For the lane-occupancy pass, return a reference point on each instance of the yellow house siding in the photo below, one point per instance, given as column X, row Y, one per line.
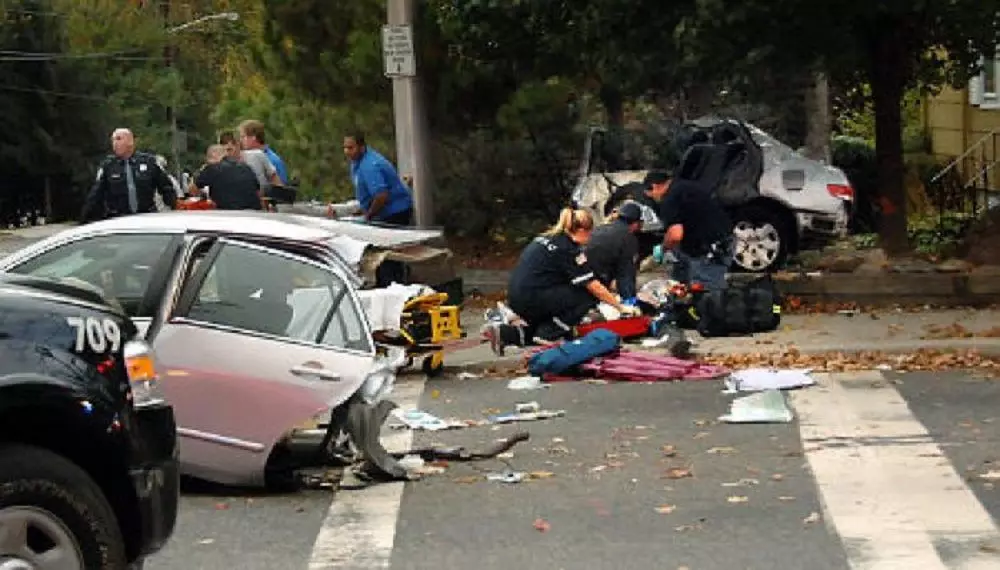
column 953, row 126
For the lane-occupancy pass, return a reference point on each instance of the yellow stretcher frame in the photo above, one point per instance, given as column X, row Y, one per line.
column 445, row 324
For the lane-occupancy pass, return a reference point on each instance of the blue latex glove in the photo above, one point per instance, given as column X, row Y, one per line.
column 658, row 254
column 630, row 302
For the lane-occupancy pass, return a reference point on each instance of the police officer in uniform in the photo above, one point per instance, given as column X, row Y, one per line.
column 553, row 286
column 127, row 182
column 700, row 233
column 613, row 250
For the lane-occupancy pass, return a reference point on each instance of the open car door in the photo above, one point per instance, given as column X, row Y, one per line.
column 254, row 341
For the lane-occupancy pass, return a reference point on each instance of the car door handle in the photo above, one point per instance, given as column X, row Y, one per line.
column 322, row 373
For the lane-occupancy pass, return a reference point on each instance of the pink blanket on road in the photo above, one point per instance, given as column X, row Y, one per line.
column 628, row 366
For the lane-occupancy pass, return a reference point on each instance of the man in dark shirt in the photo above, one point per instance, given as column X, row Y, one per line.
column 232, row 185
column 705, row 251
column 613, row 250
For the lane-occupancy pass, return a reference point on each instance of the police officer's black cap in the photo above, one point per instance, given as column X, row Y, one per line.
column 656, row 177
column 629, row 212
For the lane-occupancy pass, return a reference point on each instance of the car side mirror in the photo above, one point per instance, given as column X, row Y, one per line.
column 793, row 179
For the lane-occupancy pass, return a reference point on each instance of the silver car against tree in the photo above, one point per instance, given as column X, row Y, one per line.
column 255, row 318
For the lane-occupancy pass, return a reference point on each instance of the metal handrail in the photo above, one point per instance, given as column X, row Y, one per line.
column 964, row 155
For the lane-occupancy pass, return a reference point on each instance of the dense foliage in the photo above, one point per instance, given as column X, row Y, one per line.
column 511, row 85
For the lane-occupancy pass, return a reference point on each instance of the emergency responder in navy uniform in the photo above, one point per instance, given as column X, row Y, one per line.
column 553, row 287
column 699, row 231
column 127, row 182
column 613, row 250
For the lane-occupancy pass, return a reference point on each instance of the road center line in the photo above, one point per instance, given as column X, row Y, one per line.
column 889, row 491
column 360, row 527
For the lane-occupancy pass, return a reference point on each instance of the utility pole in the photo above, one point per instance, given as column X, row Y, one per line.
column 168, row 58
column 412, row 141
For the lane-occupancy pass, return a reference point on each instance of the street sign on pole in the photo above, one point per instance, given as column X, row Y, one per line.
column 397, row 51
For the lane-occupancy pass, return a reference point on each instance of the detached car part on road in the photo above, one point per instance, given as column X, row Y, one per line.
column 267, row 354
column 89, row 473
column 798, row 203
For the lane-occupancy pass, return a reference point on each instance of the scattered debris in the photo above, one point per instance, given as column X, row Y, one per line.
column 526, row 383
column 527, row 407
column 990, row 476
column 468, row 376
column 509, row 477
column 206, row 541
column 535, row 475
column 786, row 498
column 721, row 450
column 742, row 483
column 541, row 525
column 665, row 509
column 737, row 499
column 759, row 379
column 669, row 451
column 812, row 518
column 761, row 407
column 526, row 417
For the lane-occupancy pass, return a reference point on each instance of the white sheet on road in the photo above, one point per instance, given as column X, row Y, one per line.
column 759, row 379
column 764, row 407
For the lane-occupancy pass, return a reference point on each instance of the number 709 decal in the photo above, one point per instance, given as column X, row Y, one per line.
column 98, row 335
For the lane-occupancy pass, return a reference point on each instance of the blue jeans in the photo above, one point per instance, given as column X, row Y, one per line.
column 709, row 269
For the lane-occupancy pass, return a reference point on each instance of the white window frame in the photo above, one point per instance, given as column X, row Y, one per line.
column 978, row 97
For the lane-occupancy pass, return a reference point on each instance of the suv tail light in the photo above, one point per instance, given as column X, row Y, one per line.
column 140, row 363
column 842, row 191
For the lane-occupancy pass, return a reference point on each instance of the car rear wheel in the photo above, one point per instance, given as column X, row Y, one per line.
column 761, row 240
column 53, row 516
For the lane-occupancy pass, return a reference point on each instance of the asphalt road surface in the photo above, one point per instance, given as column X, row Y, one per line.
column 880, row 470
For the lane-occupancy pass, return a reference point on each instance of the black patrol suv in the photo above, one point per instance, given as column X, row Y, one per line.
column 89, row 474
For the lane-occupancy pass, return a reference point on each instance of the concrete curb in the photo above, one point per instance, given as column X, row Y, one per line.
column 986, row 347
column 940, row 289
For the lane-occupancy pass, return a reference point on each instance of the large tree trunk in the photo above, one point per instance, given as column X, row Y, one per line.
column 888, row 81
column 817, row 104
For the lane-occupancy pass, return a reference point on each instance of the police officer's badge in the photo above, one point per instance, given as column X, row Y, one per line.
column 581, row 258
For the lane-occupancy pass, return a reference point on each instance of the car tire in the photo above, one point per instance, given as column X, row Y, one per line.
column 760, row 240
column 57, row 499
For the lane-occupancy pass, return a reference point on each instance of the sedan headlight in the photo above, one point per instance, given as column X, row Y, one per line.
column 140, row 362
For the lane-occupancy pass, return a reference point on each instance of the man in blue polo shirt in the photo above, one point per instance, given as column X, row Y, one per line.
column 377, row 186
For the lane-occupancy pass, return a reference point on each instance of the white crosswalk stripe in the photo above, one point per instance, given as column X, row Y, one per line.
column 892, row 496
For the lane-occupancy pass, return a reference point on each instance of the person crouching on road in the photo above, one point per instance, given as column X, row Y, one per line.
column 553, row 286
column 613, row 250
column 700, row 233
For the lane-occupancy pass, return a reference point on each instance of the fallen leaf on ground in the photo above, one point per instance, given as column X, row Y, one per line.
column 721, row 450
column 665, row 509
column 777, row 477
column 221, row 506
column 206, row 541
column 786, row 498
column 701, row 434
column 541, row 475
column 812, row 518
column 468, row 480
column 541, row 525
column 669, row 450
column 678, row 473
column 919, row 360
column 435, row 394
column 599, row 468
column 737, row 499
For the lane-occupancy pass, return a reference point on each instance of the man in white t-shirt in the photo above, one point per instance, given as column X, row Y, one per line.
column 256, row 158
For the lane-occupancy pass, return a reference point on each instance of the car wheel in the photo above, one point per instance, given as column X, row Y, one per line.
column 760, row 241
column 53, row 515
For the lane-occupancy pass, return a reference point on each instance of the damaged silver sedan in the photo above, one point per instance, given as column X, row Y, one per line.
column 255, row 318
